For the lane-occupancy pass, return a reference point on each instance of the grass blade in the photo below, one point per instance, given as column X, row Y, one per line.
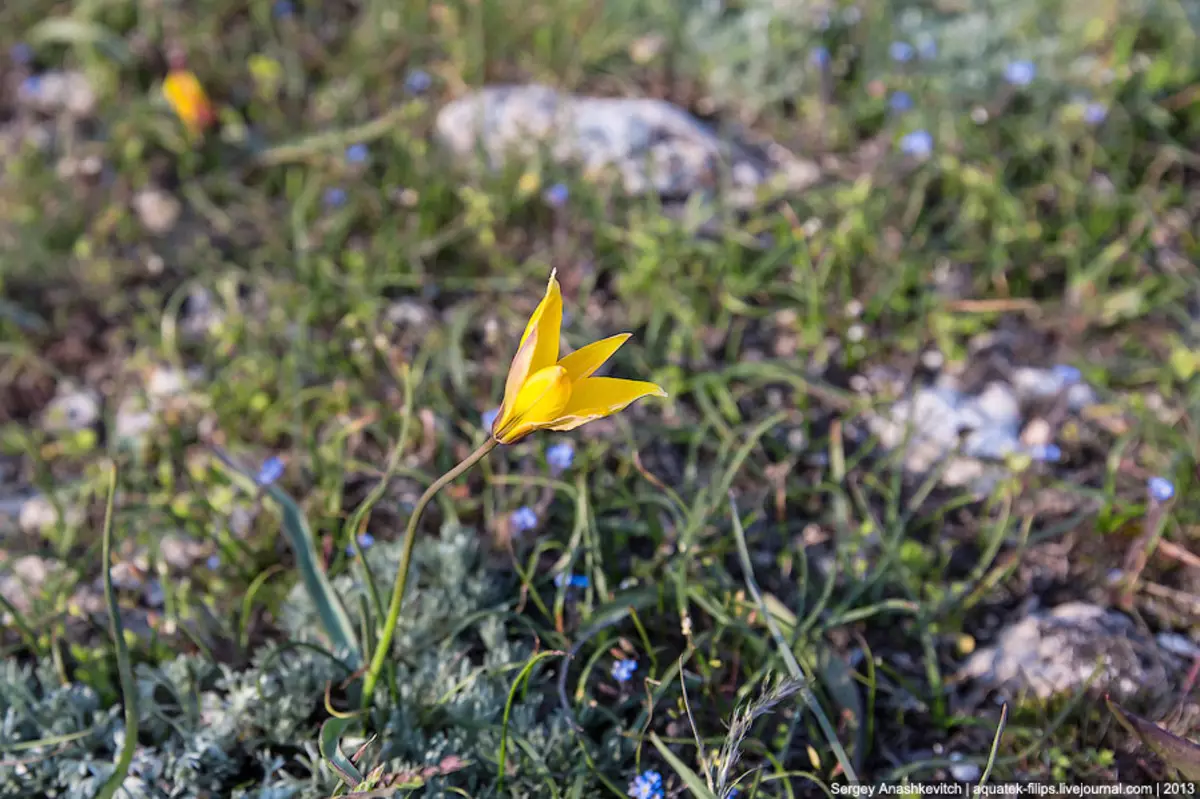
column 124, row 668
column 786, row 651
column 690, row 778
column 333, row 616
column 1178, row 753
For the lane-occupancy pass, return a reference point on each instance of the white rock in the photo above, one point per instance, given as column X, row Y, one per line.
column 1178, row 644
column 158, row 210
column 56, row 91
column 991, row 443
column 1057, row 652
column 133, row 423
column 72, row 410
column 126, row 577
column 651, row 145
column 166, row 382
column 180, row 551
column 38, row 515
column 964, row 772
column 998, row 407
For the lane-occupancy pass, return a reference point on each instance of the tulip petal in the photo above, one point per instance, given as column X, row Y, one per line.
column 582, row 362
column 596, row 397
column 518, row 373
column 540, row 401
column 547, row 322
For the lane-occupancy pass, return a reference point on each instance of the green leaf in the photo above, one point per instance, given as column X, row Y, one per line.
column 1178, row 753
column 331, row 733
column 79, row 32
column 129, row 692
column 690, row 778
column 320, row 590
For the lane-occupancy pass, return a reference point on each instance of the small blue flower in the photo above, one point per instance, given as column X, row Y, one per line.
column 557, row 195
column 622, row 670
column 560, row 456
column 365, row 542
column 1095, row 113
column 357, row 153
column 1160, row 488
column 1046, row 453
column 418, row 82
column 213, row 562
column 272, row 470
column 820, row 57
column 900, row 101
column 282, row 9
column 572, row 580
column 21, row 53
column 523, row 519
column 1020, row 73
column 335, row 197
column 489, row 418
column 927, row 48
column 1066, row 373
column 918, row 143
column 31, row 86
column 901, row 51
column 647, row 785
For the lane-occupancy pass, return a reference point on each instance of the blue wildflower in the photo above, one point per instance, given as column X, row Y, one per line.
column 418, row 82
column 556, row 196
column 900, row 101
column 282, row 9
column 622, row 670
column 335, row 197
column 1095, row 113
column 820, row 57
column 365, row 542
column 272, row 470
column 1161, row 489
column 1066, row 373
column 927, row 48
column 918, row 143
column 647, row 785
column 572, row 580
column 1020, row 73
column 523, row 519
column 357, row 153
column 1047, row 453
column 21, row 53
column 560, row 456
column 213, row 562
column 901, row 51
column 31, row 86
column 488, row 418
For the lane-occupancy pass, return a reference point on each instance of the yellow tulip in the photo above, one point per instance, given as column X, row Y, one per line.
column 545, row 392
column 187, row 97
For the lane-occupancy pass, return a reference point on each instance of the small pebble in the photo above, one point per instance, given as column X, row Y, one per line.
column 157, row 210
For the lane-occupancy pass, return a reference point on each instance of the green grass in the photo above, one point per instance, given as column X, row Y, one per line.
column 1078, row 239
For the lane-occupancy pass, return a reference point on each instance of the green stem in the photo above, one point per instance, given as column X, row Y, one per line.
column 384, row 647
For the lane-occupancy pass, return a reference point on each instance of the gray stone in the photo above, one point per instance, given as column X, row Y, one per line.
column 651, row 146
column 72, row 410
column 28, row 574
column 158, row 210
column 180, row 551
column 59, row 91
column 996, row 407
column 37, row 515
column 1057, row 652
column 964, row 772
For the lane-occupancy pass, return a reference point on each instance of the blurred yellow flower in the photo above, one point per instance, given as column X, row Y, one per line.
column 189, row 100
column 544, row 392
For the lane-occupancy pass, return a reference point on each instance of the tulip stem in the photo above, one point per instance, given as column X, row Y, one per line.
column 384, row 646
